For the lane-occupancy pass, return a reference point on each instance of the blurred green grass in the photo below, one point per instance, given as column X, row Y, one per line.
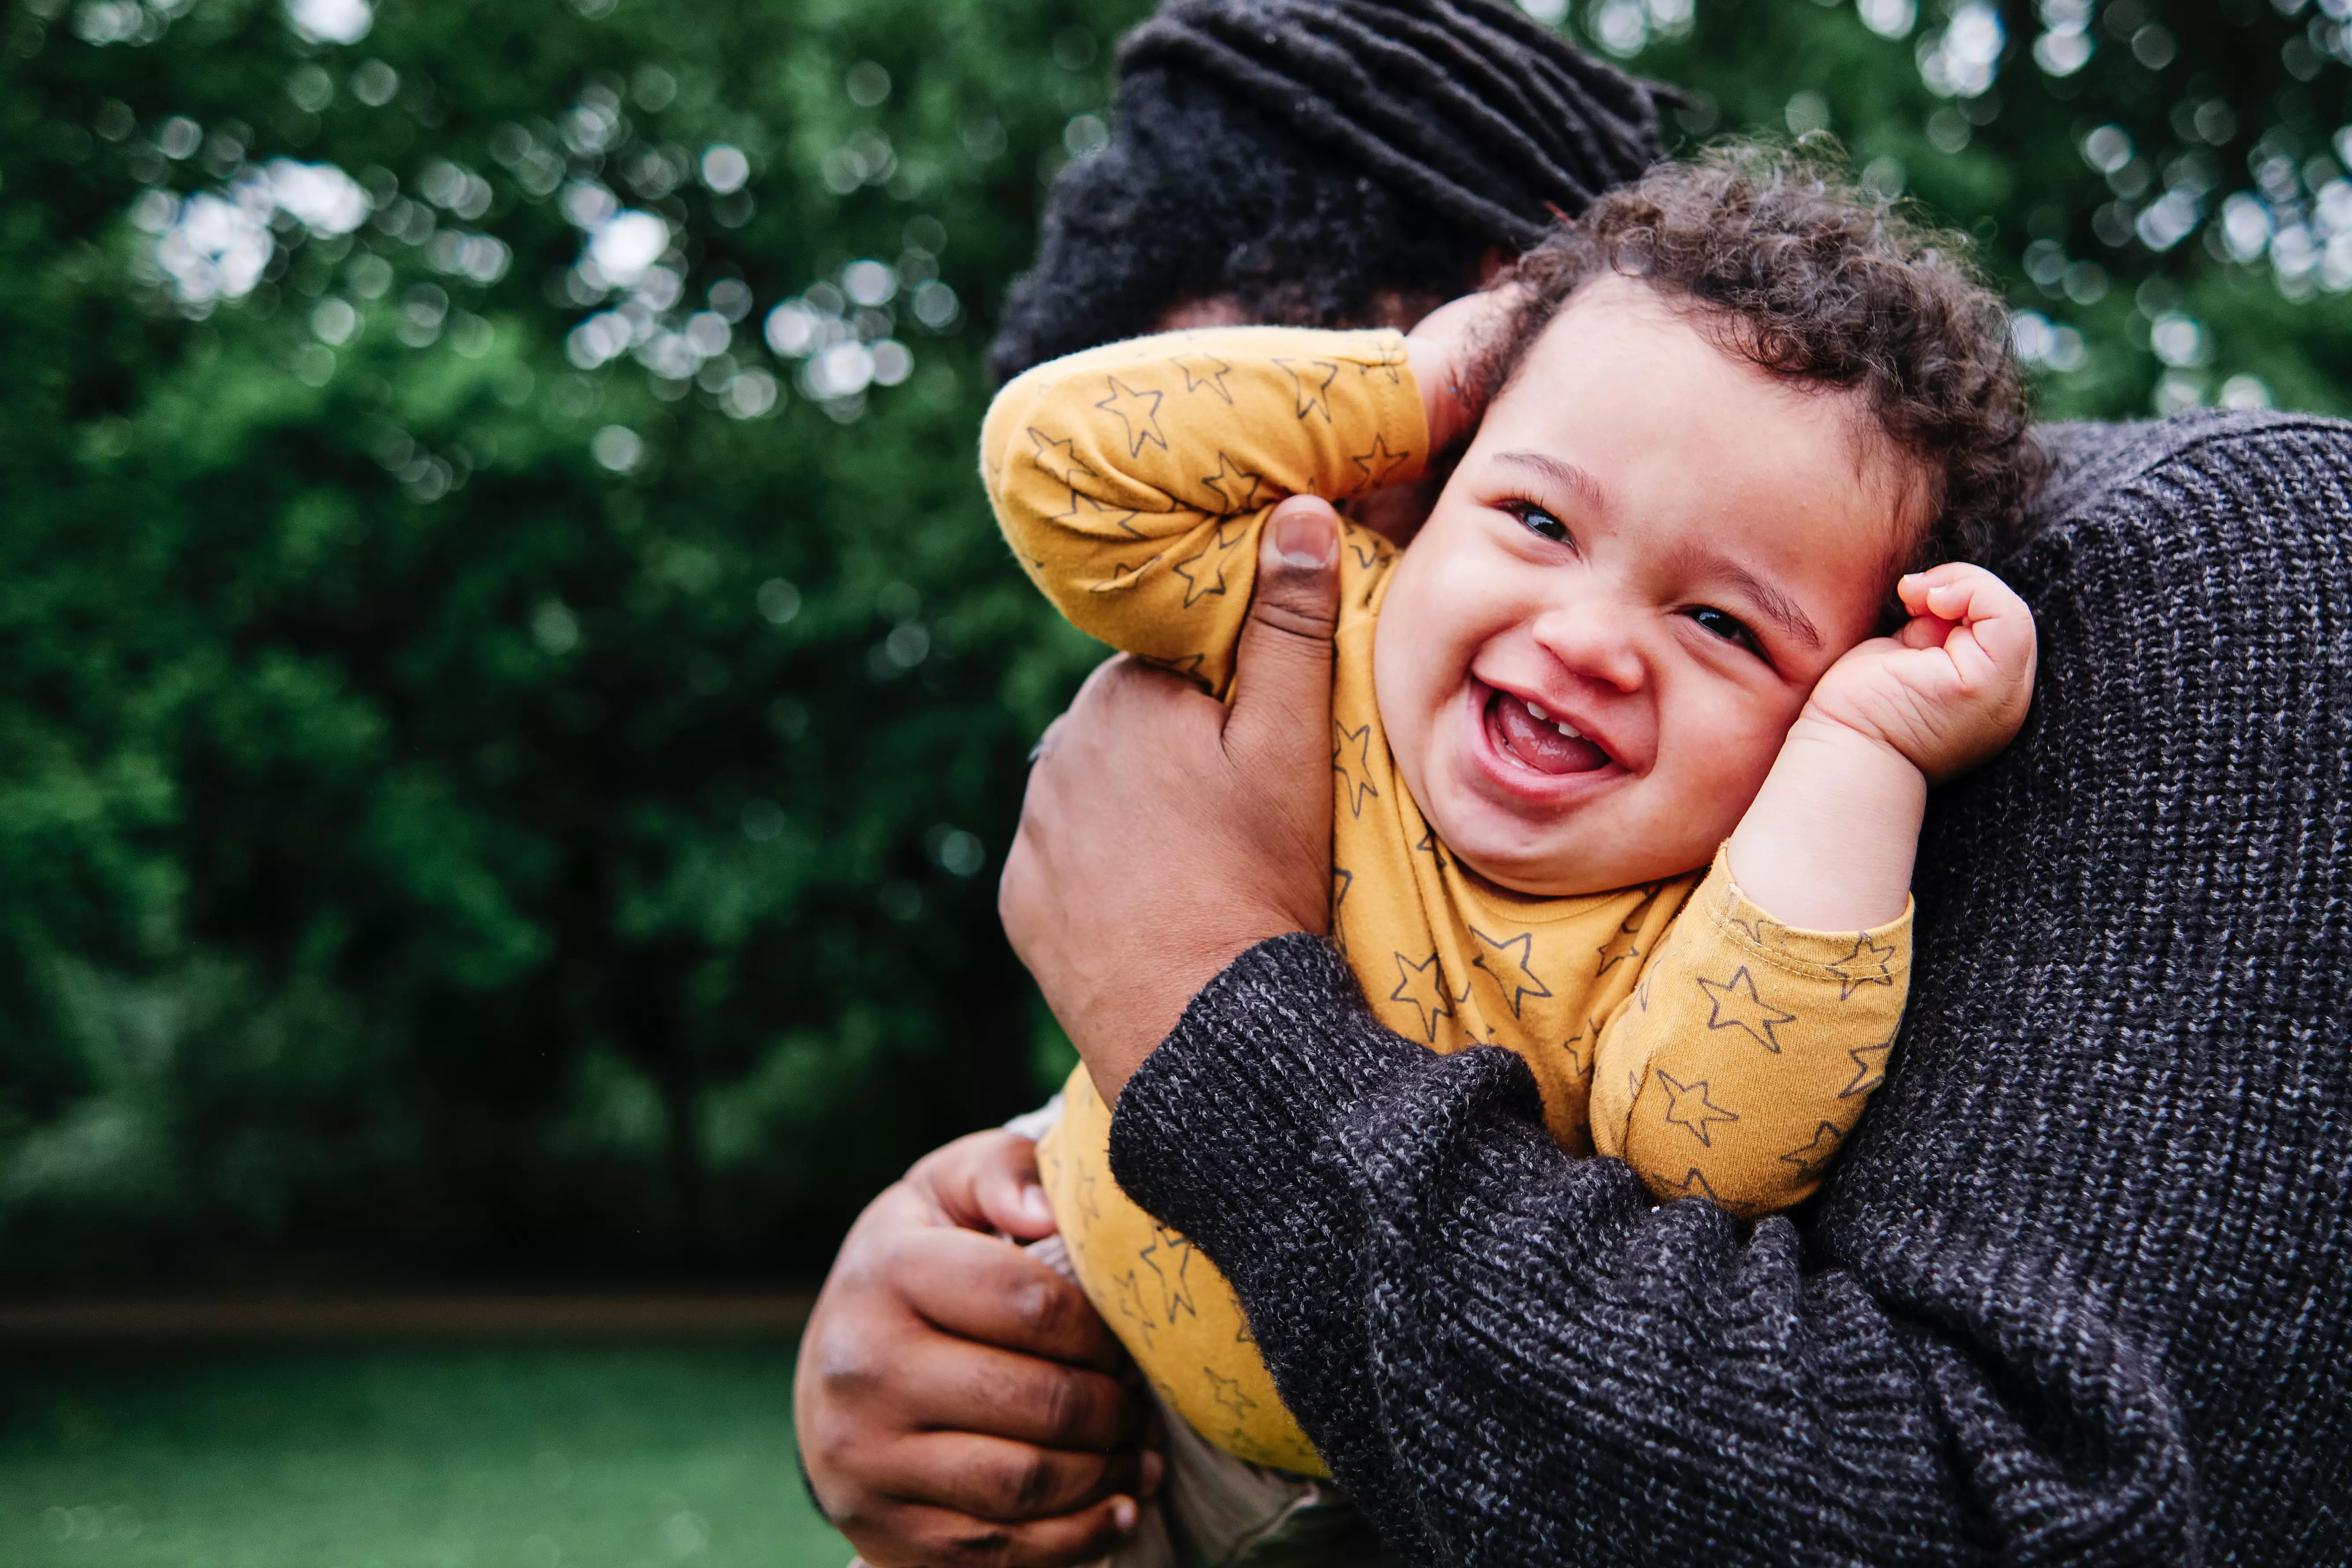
column 555, row 1457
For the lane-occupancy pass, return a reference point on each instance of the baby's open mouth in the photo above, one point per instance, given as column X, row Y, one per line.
column 1524, row 733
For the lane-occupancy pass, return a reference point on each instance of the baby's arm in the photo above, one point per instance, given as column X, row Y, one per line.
column 1132, row 480
column 1746, row 1054
column 1828, row 840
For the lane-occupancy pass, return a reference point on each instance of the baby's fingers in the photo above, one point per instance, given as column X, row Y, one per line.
column 1985, row 609
column 1925, row 631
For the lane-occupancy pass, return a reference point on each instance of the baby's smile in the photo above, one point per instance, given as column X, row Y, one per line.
column 1588, row 659
column 1529, row 752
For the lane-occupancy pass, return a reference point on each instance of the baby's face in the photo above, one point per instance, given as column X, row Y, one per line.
column 1660, row 546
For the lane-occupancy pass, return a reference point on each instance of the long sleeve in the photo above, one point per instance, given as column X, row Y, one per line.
column 1132, row 481
column 1740, row 1063
column 1508, row 1356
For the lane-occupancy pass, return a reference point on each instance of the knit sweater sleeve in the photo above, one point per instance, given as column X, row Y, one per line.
column 1506, row 1355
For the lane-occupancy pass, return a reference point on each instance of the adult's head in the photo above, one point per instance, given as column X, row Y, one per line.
column 1320, row 163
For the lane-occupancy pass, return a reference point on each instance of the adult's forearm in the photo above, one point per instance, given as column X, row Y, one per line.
column 1506, row 1355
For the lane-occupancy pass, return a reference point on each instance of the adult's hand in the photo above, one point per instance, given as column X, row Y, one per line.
column 1164, row 833
column 959, row 1403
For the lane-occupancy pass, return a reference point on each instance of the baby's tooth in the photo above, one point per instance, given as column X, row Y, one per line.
column 1539, row 713
column 1570, row 731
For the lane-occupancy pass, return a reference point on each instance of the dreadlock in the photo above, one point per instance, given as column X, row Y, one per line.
column 1306, row 157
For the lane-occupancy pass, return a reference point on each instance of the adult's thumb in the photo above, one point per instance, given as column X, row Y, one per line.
column 1282, row 679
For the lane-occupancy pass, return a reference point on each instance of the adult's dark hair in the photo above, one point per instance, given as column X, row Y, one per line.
column 1306, row 158
column 1814, row 277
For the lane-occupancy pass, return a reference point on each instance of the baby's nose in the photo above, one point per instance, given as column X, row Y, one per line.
column 1594, row 642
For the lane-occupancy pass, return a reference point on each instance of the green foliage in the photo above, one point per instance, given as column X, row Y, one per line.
column 424, row 841
column 492, row 778
column 2166, row 208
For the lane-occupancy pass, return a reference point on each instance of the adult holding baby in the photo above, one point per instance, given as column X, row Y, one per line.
column 2004, row 1331
column 1712, row 430
column 1316, row 162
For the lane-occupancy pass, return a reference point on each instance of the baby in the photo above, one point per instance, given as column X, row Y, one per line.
column 1626, row 778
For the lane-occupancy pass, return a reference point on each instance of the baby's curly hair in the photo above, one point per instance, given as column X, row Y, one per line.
column 1812, row 277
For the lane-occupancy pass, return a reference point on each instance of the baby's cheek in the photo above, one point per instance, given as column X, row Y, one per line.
column 1715, row 771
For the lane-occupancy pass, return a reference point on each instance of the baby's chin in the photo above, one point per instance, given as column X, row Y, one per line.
column 1515, row 860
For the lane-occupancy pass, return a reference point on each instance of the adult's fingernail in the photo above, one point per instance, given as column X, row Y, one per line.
column 1122, row 1513
column 1148, row 1471
column 1037, row 1205
column 1304, row 537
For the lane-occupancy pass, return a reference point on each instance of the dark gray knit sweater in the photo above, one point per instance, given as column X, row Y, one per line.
column 2081, row 1291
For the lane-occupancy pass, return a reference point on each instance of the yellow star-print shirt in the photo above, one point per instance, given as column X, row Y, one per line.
column 1675, row 1025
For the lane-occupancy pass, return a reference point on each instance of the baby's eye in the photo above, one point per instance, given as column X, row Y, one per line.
column 1539, row 522
column 1729, row 628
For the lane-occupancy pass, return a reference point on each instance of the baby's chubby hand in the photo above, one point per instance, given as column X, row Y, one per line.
column 1950, row 688
column 1447, row 351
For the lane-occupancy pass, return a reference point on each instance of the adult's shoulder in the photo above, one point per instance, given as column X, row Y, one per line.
column 2294, row 463
column 2179, row 569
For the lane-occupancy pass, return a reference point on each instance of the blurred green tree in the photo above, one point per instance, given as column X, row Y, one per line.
column 504, row 732
column 2162, row 186
column 510, row 701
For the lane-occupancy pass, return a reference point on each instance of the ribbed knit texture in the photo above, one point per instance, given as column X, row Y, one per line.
column 2080, row 1292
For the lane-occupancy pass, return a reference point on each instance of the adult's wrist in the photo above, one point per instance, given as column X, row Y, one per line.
column 1125, row 1023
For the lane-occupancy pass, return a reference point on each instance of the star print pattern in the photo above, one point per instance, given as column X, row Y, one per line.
column 1203, row 574
column 1688, row 1107
column 1124, row 576
column 1170, row 1257
column 1236, row 489
column 1132, row 1305
column 1506, row 964
column 1090, row 516
column 1579, row 1047
column 1228, row 1393
column 1312, row 381
column 1352, row 758
column 1693, row 1185
column 1869, row 1069
column 1756, row 927
column 1058, row 459
column 1734, row 1004
column 1127, row 488
column 1424, row 986
column 1613, row 952
column 1202, row 370
column 1430, row 846
column 1868, row 964
column 1814, row 1156
column 1138, row 414
column 1379, row 463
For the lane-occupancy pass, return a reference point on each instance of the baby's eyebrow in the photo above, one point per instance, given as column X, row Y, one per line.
column 1566, row 475
column 1772, row 603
